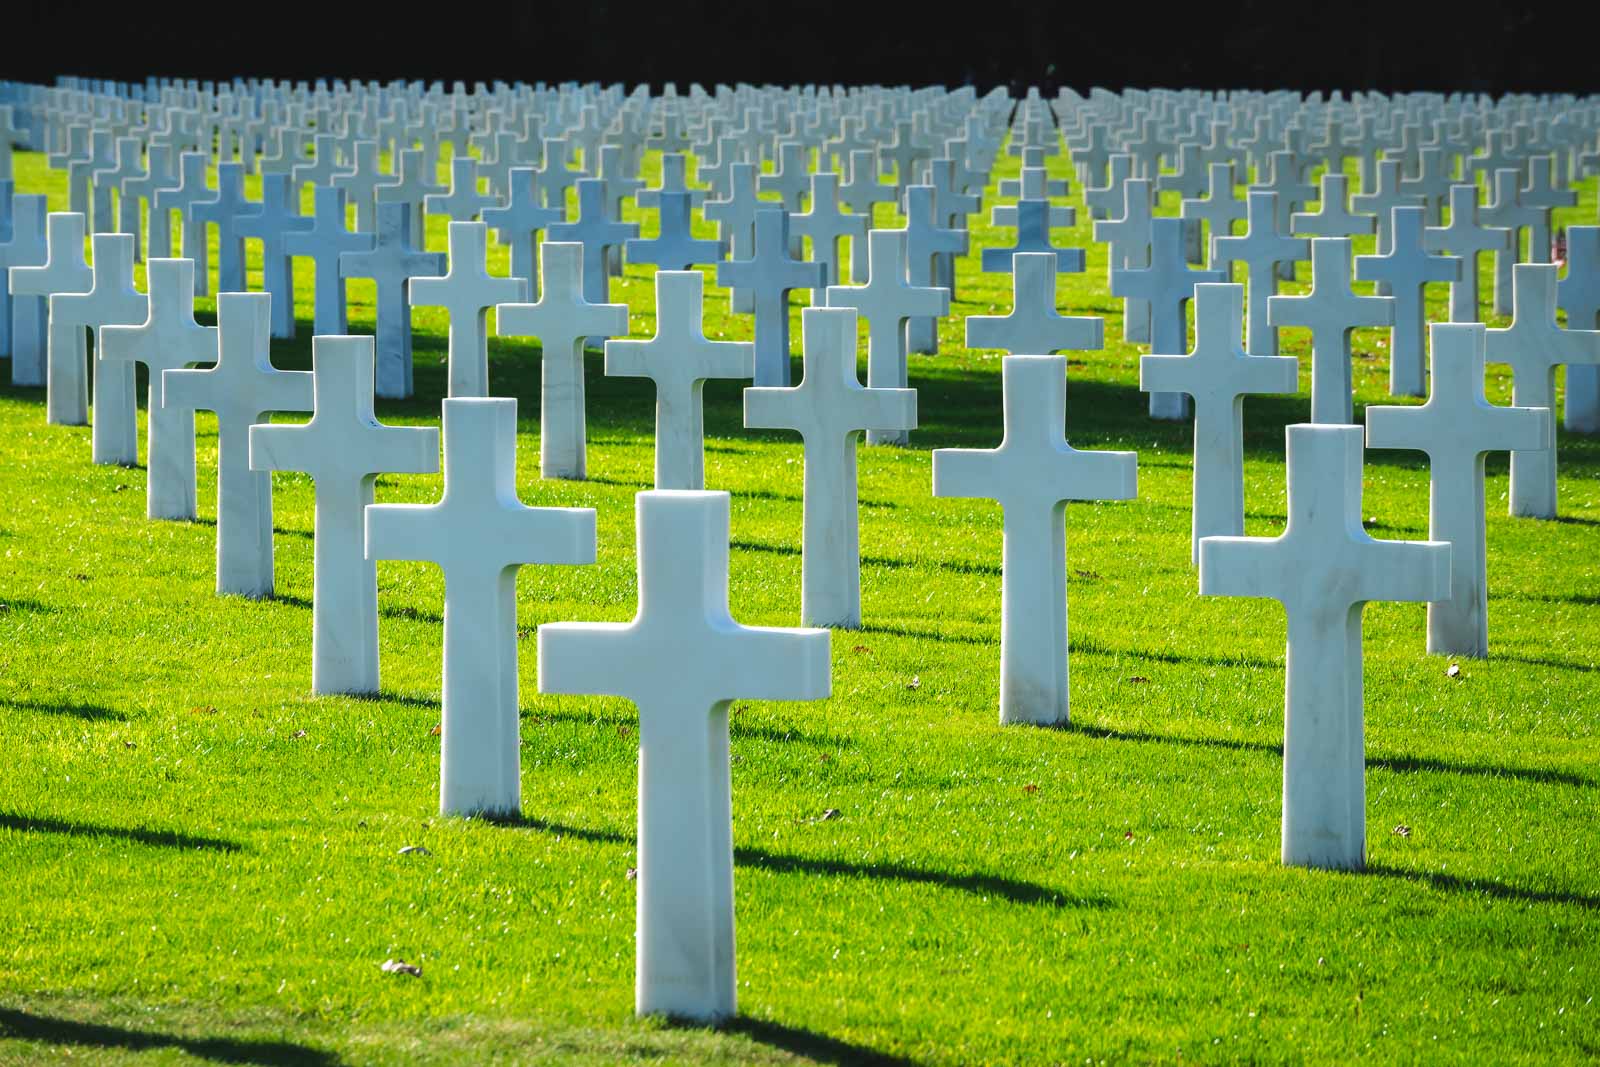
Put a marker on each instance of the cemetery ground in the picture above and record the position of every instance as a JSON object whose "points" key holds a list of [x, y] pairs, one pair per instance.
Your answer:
{"points": [[200, 860]]}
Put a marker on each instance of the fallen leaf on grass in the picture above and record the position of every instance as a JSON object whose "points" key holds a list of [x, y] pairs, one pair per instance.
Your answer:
{"points": [[1401, 831], [858, 649], [438, 728], [417, 850], [1030, 788], [1086, 574], [297, 735], [1137, 679], [204, 709], [831, 813], [401, 967], [130, 744], [1453, 671], [915, 683], [633, 873], [1127, 835]]}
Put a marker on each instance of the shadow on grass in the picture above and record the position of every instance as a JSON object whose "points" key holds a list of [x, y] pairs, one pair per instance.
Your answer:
{"points": [[888, 562], [978, 884], [1588, 600], [208, 520], [901, 630], [87, 712], [25, 606], [736, 729], [52, 1030], [1395, 764], [1094, 648], [139, 835], [1486, 887], [1544, 661], [811, 1045], [403, 699]]}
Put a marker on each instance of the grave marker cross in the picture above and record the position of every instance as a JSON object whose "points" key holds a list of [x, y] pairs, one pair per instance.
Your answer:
{"points": [[1261, 248], [1534, 346], [1033, 327], [1457, 427], [112, 300], [1032, 475], [169, 339], [561, 318], [1579, 296], [829, 409], [1324, 568], [768, 275], [391, 262], [63, 269], [518, 223], [683, 660], [480, 534], [241, 387], [1331, 311], [467, 293], [1218, 374], [887, 301], [323, 242], [679, 359], [343, 448], [1466, 237], [1407, 268], [1167, 285]]}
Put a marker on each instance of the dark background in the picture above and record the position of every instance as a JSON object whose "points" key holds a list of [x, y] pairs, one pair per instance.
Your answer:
{"points": [[1249, 44]]}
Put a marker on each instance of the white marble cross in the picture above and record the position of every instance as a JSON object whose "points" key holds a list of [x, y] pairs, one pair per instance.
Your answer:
{"points": [[480, 534], [1331, 311], [675, 247], [824, 224], [886, 301], [928, 243], [1506, 209], [562, 320], [1457, 427], [597, 233], [224, 209], [391, 263], [679, 359], [1540, 196], [241, 388], [1578, 294], [411, 188], [1166, 285], [191, 191], [1466, 237], [1406, 269], [360, 184], [343, 448], [1324, 568], [829, 409], [271, 223], [168, 339], [769, 275], [112, 300], [1129, 238], [1033, 327], [735, 217], [467, 293], [323, 243], [1333, 217], [1032, 475], [463, 202], [27, 314], [1535, 346], [1219, 209], [1261, 248], [1218, 374], [683, 660], [1381, 200], [519, 222], [65, 270]]}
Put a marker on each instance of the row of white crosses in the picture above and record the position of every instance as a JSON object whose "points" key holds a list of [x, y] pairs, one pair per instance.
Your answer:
{"points": [[686, 955]]}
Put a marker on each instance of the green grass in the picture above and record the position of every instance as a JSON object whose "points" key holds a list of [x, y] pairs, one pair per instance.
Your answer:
{"points": [[198, 860]]}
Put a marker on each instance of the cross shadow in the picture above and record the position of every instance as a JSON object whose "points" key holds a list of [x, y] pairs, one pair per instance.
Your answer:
{"points": [[1094, 648], [289, 600], [1396, 764], [978, 884], [1544, 661], [736, 729], [208, 520], [1573, 520], [405, 611], [87, 712], [955, 566], [53, 1030], [20, 605], [1450, 883], [1589, 600], [139, 835], [404, 699], [901, 630], [811, 1045]]}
